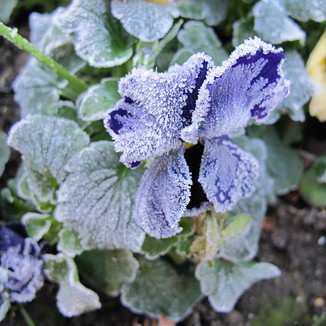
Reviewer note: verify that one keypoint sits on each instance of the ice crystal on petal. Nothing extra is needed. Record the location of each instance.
(155, 107)
(19, 257)
(247, 85)
(163, 195)
(227, 173)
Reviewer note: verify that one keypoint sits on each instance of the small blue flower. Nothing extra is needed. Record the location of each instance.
(200, 104)
(20, 264)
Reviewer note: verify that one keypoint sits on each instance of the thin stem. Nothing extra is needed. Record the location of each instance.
(26, 316)
(76, 85)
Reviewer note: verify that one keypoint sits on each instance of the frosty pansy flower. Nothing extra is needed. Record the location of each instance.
(200, 104)
(20, 264)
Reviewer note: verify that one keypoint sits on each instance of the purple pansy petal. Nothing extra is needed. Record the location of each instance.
(163, 195)
(227, 173)
(19, 256)
(155, 107)
(247, 85)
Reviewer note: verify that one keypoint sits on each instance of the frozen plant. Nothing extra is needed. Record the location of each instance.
(200, 104)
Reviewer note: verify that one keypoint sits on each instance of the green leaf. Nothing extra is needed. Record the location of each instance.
(97, 199)
(73, 298)
(305, 10)
(283, 164)
(37, 225)
(197, 37)
(108, 270)
(181, 56)
(302, 87)
(242, 30)
(144, 20)
(95, 38)
(215, 11)
(4, 152)
(313, 184)
(98, 99)
(47, 144)
(159, 289)
(6, 8)
(273, 24)
(224, 282)
(69, 243)
(193, 9)
(153, 248)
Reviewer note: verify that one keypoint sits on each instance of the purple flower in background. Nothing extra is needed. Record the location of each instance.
(20, 264)
(199, 104)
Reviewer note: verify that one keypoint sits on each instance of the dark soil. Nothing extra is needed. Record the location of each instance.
(293, 238)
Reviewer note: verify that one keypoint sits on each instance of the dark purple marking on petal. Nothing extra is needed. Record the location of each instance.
(192, 96)
(193, 157)
(128, 100)
(133, 165)
(114, 122)
(268, 71)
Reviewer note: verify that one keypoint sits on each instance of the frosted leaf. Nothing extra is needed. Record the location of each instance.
(19, 256)
(224, 282)
(181, 56)
(247, 85)
(273, 24)
(144, 20)
(4, 306)
(215, 11)
(69, 243)
(4, 151)
(160, 290)
(94, 38)
(47, 143)
(193, 9)
(155, 107)
(97, 198)
(6, 6)
(37, 225)
(73, 298)
(305, 10)
(301, 89)
(98, 99)
(283, 164)
(163, 195)
(227, 173)
(196, 37)
(153, 248)
(242, 30)
(109, 270)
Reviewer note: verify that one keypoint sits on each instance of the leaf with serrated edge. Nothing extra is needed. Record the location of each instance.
(153, 248)
(37, 225)
(98, 99)
(109, 270)
(4, 151)
(144, 20)
(273, 24)
(47, 144)
(160, 290)
(73, 298)
(224, 282)
(97, 199)
(93, 39)
(197, 37)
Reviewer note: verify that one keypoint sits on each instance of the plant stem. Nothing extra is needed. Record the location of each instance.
(76, 85)
(27, 318)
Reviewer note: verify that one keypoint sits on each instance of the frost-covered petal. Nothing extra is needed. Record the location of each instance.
(19, 257)
(227, 173)
(155, 107)
(163, 195)
(247, 85)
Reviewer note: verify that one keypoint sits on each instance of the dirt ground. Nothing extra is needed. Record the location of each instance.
(293, 238)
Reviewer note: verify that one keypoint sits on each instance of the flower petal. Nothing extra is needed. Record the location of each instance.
(163, 195)
(247, 85)
(227, 173)
(155, 107)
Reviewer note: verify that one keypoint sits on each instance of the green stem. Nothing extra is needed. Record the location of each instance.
(76, 85)
(27, 318)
